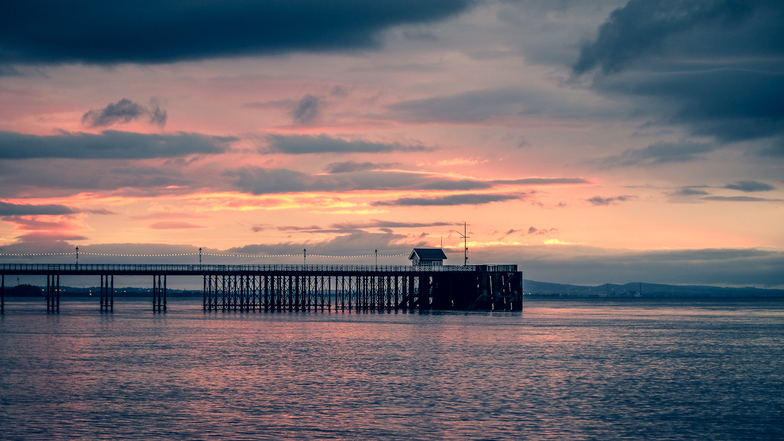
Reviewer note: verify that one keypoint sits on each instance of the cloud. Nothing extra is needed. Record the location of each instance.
(109, 145)
(467, 107)
(749, 186)
(36, 224)
(173, 225)
(307, 144)
(595, 266)
(356, 243)
(598, 200)
(69, 176)
(159, 32)
(533, 231)
(715, 66)
(124, 111)
(298, 228)
(738, 199)
(481, 105)
(661, 153)
(642, 27)
(375, 223)
(540, 181)
(690, 191)
(8, 209)
(460, 199)
(733, 103)
(45, 240)
(257, 180)
(307, 110)
(102, 212)
(352, 166)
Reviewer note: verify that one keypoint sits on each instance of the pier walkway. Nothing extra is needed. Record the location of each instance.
(302, 287)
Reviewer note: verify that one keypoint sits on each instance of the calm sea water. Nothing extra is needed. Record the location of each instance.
(559, 370)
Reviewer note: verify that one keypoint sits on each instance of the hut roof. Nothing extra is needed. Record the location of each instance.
(428, 254)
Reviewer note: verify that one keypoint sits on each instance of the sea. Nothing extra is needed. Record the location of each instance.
(594, 369)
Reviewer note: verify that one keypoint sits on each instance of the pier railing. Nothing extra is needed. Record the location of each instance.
(93, 268)
(301, 287)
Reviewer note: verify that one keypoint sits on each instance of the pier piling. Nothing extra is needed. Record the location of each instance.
(346, 288)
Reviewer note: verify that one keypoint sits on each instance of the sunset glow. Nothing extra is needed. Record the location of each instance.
(615, 141)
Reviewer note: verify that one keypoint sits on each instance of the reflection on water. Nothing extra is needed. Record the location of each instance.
(560, 370)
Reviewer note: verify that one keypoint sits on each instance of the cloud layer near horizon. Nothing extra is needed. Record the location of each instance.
(547, 127)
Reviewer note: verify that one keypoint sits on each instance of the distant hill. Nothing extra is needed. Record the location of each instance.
(629, 290)
(24, 291)
(532, 288)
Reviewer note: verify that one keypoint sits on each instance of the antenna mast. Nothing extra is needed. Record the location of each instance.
(465, 243)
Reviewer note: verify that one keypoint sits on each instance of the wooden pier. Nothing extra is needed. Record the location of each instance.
(304, 287)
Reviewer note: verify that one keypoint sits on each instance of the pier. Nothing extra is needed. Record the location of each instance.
(303, 287)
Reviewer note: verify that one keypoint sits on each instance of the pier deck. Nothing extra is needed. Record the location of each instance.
(303, 287)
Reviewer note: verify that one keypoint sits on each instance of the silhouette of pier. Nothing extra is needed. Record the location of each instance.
(303, 287)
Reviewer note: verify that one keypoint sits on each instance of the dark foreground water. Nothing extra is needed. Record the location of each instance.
(560, 370)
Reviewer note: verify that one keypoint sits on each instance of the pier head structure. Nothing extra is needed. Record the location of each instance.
(302, 287)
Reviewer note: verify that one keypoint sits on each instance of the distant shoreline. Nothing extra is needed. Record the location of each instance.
(532, 289)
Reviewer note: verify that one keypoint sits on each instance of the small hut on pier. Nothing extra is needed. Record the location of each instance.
(427, 257)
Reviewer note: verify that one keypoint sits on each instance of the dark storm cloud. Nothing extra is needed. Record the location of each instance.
(732, 103)
(147, 31)
(109, 145)
(643, 26)
(459, 199)
(8, 209)
(305, 144)
(716, 66)
(307, 110)
(598, 200)
(124, 111)
(750, 186)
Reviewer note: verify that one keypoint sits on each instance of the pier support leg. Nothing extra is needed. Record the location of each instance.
(164, 293)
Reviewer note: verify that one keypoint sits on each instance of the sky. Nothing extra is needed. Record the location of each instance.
(587, 142)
